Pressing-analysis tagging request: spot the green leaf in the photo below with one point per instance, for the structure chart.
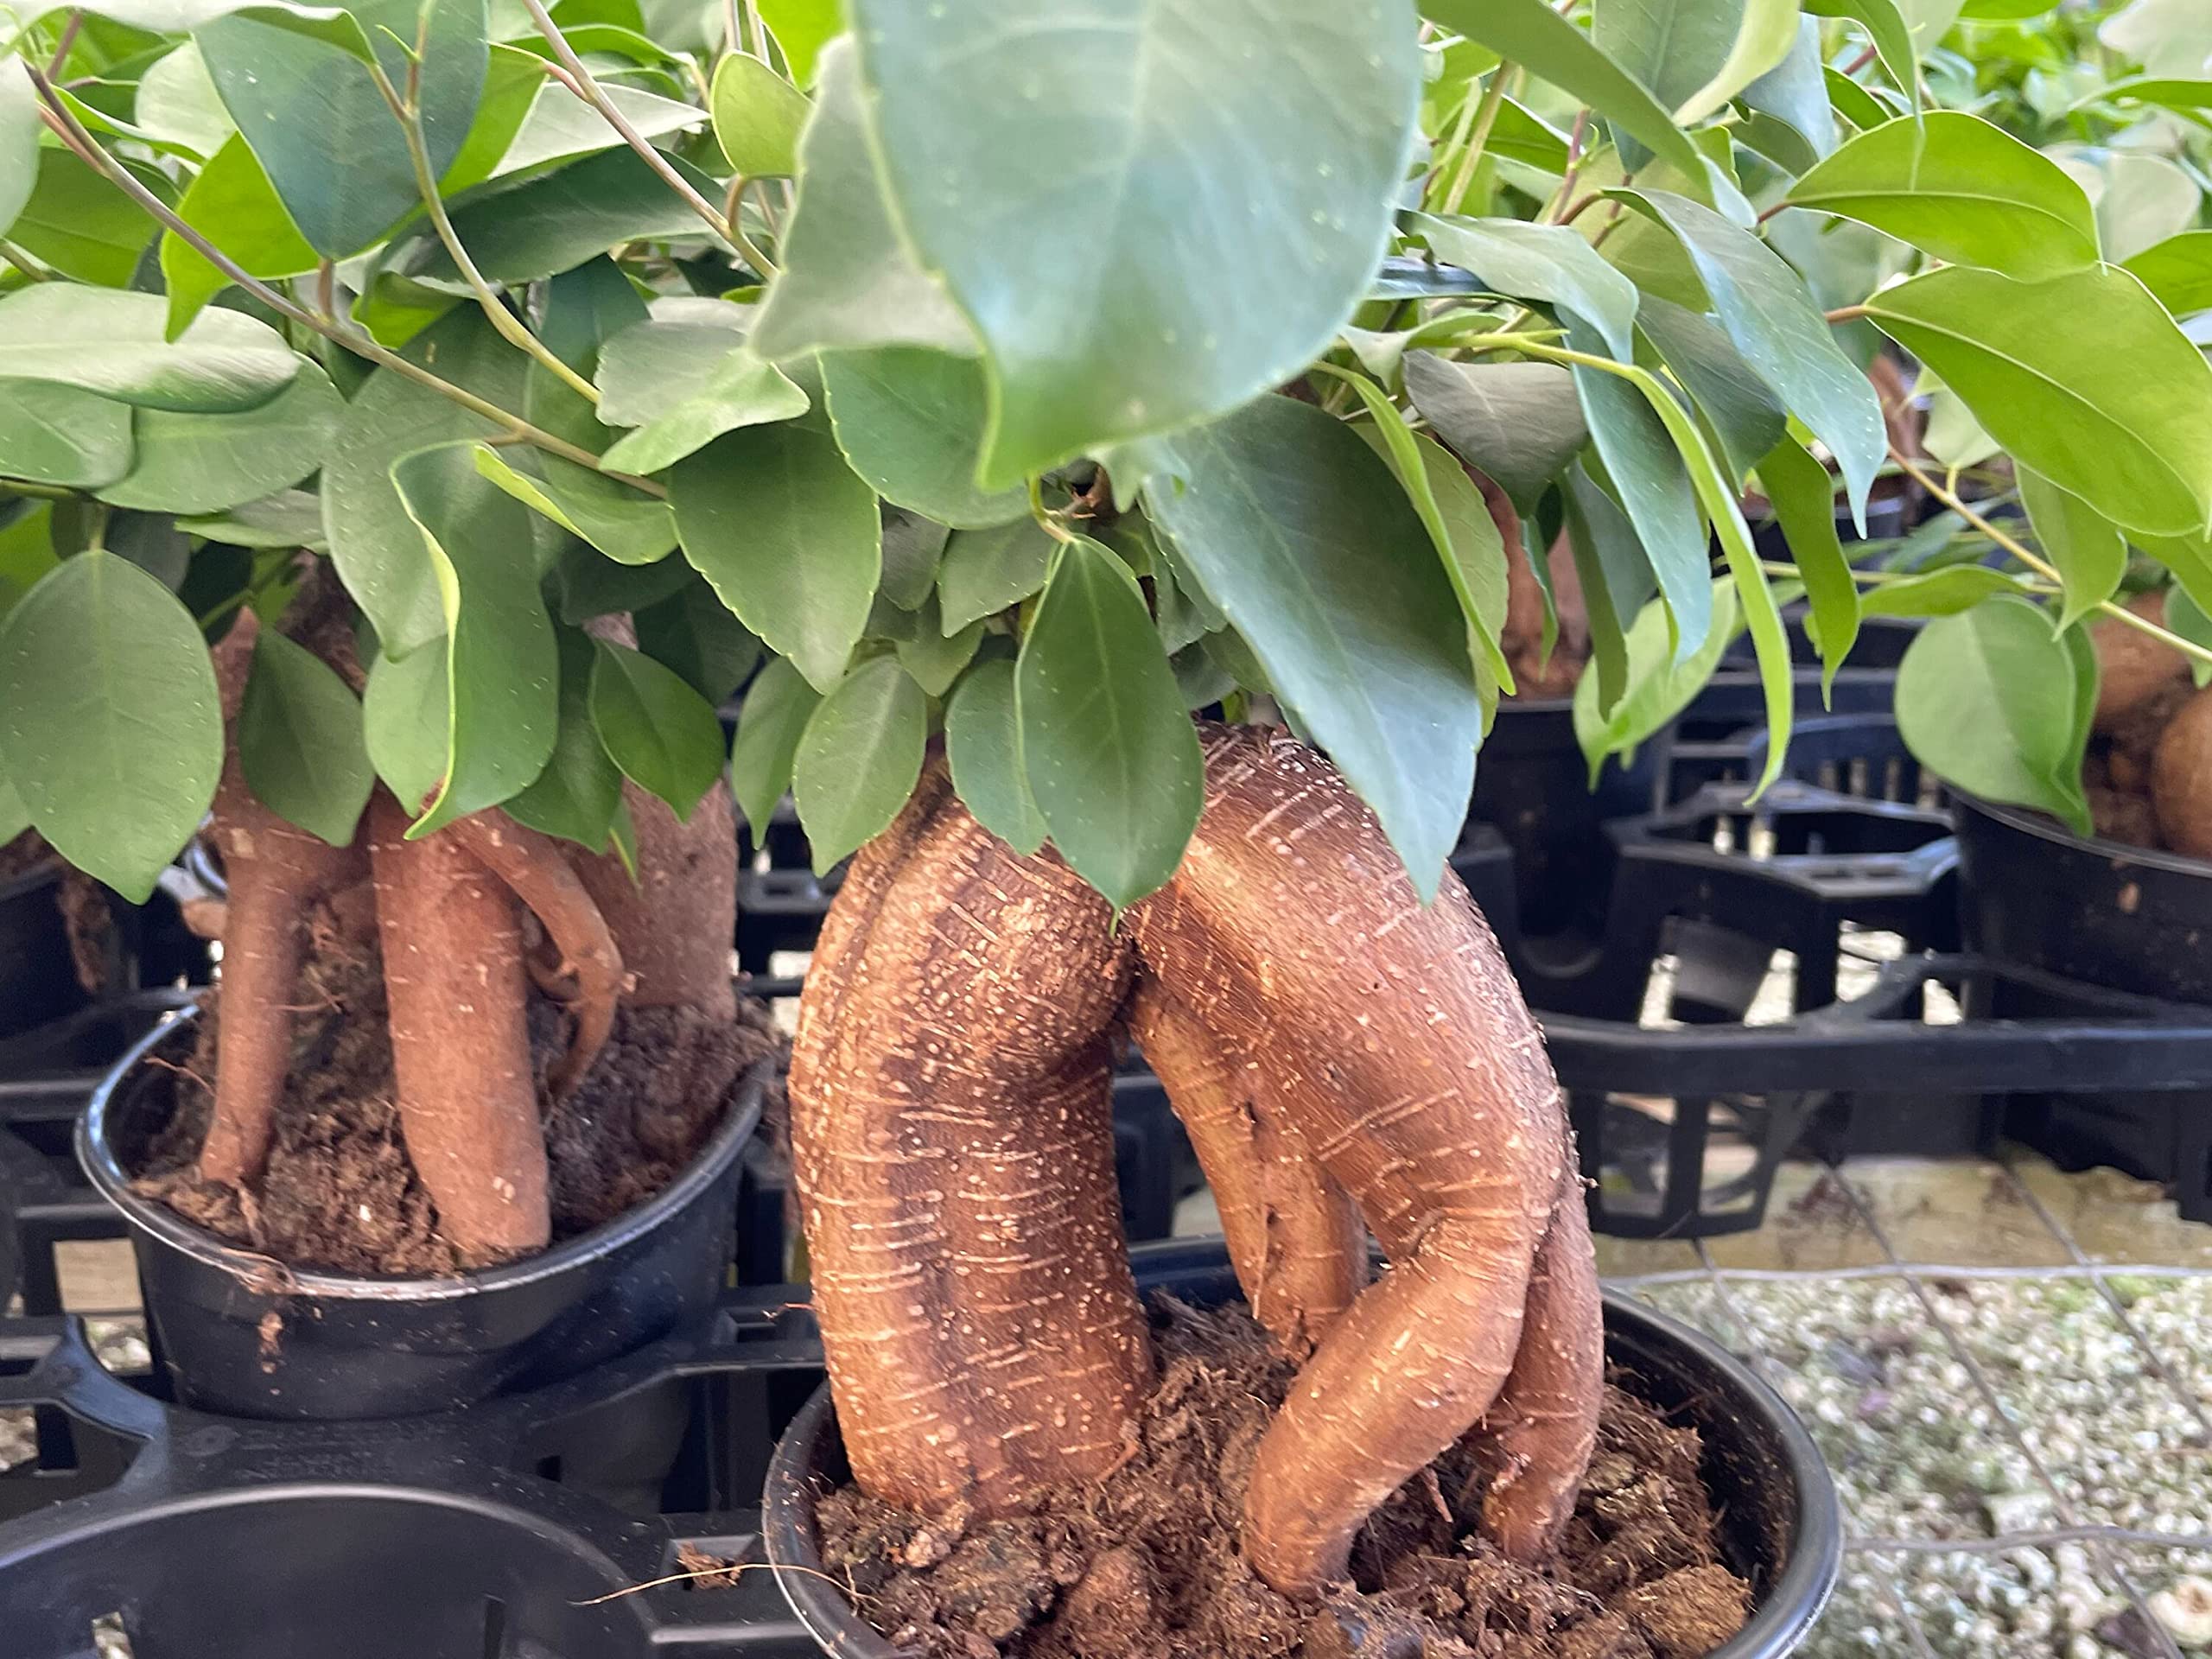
(1529, 33)
(1675, 47)
(579, 794)
(686, 376)
(110, 728)
(80, 224)
(313, 112)
(376, 548)
(1742, 411)
(178, 102)
(1804, 501)
(207, 463)
(300, 740)
(59, 435)
(2090, 553)
(526, 232)
(777, 708)
(287, 520)
(1169, 318)
(1651, 479)
(1615, 577)
(1550, 263)
(1986, 700)
(1771, 319)
(561, 126)
(693, 634)
(234, 206)
(1885, 27)
(502, 666)
(935, 658)
(2184, 617)
(1659, 687)
(2177, 271)
(1962, 189)
(1796, 94)
(789, 537)
(912, 547)
(1519, 423)
(858, 758)
(1109, 753)
(911, 421)
(982, 743)
(758, 115)
(984, 571)
(2119, 413)
(739, 390)
(1944, 592)
(404, 723)
(1297, 531)
(1764, 39)
(802, 29)
(20, 127)
(2183, 96)
(112, 343)
(847, 279)
(660, 732)
(1853, 102)
(15, 817)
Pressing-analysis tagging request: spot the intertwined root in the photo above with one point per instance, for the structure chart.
(1329, 1041)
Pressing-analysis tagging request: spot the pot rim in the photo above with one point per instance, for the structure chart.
(2029, 822)
(39, 875)
(1789, 1608)
(158, 1224)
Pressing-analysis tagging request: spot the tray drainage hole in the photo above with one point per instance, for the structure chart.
(110, 1639)
(495, 1628)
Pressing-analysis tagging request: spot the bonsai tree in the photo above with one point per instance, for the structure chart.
(1007, 381)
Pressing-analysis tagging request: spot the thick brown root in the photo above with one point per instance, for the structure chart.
(452, 972)
(2132, 667)
(952, 1138)
(2180, 778)
(674, 925)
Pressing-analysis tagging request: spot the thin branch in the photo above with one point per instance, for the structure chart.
(33, 271)
(1575, 160)
(578, 79)
(62, 47)
(1477, 141)
(2043, 566)
(1847, 313)
(66, 127)
(1859, 62)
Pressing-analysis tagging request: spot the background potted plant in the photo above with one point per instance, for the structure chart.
(616, 378)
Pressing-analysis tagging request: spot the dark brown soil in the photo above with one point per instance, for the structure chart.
(26, 853)
(340, 1194)
(1145, 1564)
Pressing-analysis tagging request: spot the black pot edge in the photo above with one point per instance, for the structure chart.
(41, 875)
(161, 1225)
(2028, 822)
(1777, 1625)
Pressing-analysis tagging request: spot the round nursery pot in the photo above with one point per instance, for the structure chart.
(38, 983)
(2107, 914)
(1782, 1525)
(247, 1336)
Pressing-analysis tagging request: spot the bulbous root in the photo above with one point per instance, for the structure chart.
(1323, 1034)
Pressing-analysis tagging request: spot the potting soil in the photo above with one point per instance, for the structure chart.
(1146, 1565)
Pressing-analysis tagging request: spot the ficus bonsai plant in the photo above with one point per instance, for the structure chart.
(994, 386)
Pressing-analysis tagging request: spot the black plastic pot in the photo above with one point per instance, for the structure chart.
(1783, 1527)
(247, 1336)
(2125, 918)
(37, 984)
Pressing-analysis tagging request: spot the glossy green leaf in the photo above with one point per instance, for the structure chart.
(502, 665)
(300, 740)
(234, 206)
(2141, 200)
(636, 531)
(1658, 685)
(404, 722)
(579, 794)
(1614, 575)
(982, 743)
(15, 817)
(112, 343)
(658, 729)
(1739, 407)
(1108, 752)
(911, 421)
(1170, 317)
(758, 115)
(789, 536)
(1803, 494)
(554, 222)
(912, 549)
(2090, 553)
(693, 632)
(20, 127)
(178, 101)
(740, 388)
(110, 729)
(1853, 102)
(1962, 189)
(2188, 96)
(1886, 28)
(1530, 33)
(287, 519)
(802, 29)
(79, 223)
(934, 658)
(847, 279)
(377, 549)
(1796, 94)
(984, 571)
(1987, 699)
(2119, 413)
(650, 368)
(2187, 619)
(1675, 47)
(1297, 531)
(206, 463)
(777, 708)
(1519, 423)
(60, 435)
(561, 127)
(859, 758)
(1550, 263)
(1764, 39)
(313, 112)
(1771, 319)
(1942, 592)
(2177, 271)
